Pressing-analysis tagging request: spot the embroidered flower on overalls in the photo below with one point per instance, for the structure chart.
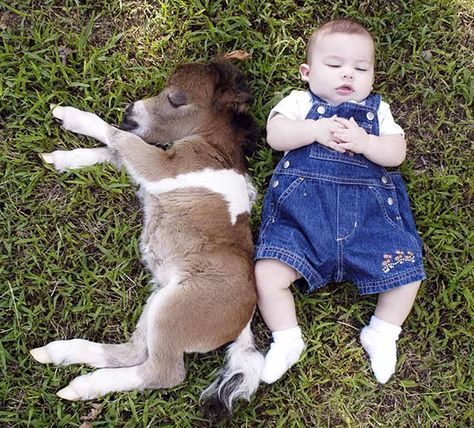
(389, 262)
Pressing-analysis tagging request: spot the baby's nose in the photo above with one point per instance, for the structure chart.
(347, 74)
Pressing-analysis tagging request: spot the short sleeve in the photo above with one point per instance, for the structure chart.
(294, 106)
(387, 124)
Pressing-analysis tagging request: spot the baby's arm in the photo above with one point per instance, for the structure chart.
(288, 134)
(384, 150)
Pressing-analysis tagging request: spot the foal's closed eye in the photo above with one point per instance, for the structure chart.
(177, 98)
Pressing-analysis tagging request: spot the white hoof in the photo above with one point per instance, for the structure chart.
(41, 355)
(68, 394)
(57, 111)
(47, 157)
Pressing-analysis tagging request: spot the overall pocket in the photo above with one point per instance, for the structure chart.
(404, 205)
(290, 184)
(390, 208)
(280, 189)
(318, 151)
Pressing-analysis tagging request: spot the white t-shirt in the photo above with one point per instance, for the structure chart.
(296, 106)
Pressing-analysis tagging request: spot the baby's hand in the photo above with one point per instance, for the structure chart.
(327, 133)
(351, 137)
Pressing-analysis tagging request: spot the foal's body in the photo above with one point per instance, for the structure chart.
(196, 239)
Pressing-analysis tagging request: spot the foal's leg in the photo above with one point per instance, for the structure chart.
(82, 122)
(79, 351)
(144, 376)
(78, 158)
(140, 159)
(163, 368)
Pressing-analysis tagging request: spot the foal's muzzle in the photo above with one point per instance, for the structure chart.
(128, 124)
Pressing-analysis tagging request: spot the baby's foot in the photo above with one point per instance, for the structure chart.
(380, 342)
(280, 358)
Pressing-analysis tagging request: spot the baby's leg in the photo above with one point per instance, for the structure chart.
(275, 300)
(393, 306)
(380, 336)
(277, 307)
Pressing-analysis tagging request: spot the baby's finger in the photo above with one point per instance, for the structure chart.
(337, 125)
(346, 146)
(343, 121)
(335, 146)
(337, 128)
(337, 140)
(338, 121)
(342, 136)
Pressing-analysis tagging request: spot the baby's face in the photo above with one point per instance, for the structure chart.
(341, 69)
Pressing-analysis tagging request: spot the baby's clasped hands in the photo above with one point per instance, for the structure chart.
(351, 137)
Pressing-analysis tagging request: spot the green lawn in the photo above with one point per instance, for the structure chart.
(69, 259)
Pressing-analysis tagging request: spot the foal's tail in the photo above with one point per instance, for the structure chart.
(239, 378)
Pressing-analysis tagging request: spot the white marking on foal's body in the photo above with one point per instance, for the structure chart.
(226, 182)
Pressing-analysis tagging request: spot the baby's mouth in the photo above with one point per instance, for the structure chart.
(345, 90)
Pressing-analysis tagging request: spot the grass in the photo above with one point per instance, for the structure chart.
(69, 260)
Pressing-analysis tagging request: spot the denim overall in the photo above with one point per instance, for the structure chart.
(337, 217)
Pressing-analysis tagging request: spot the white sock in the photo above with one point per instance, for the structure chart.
(379, 339)
(285, 351)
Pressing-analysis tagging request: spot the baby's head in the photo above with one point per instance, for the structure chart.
(340, 62)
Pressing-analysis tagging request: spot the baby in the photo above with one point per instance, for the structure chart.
(333, 213)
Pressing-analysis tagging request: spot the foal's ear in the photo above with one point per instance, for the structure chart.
(231, 91)
(238, 55)
(232, 99)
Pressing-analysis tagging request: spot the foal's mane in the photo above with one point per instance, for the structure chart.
(231, 84)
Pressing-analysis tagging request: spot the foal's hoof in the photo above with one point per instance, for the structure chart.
(68, 394)
(41, 355)
(57, 111)
(47, 157)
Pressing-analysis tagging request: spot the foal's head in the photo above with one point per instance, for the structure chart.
(197, 99)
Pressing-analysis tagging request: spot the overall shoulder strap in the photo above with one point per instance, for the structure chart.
(373, 101)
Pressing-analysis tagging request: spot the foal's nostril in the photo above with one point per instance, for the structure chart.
(128, 123)
(128, 109)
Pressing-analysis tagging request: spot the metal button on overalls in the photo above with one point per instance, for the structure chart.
(321, 110)
(370, 115)
(286, 164)
(384, 180)
(390, 201)
(275, 183)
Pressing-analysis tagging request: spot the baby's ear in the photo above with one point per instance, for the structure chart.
(304, 72)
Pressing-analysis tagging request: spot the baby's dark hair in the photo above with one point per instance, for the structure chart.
(344, 26)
